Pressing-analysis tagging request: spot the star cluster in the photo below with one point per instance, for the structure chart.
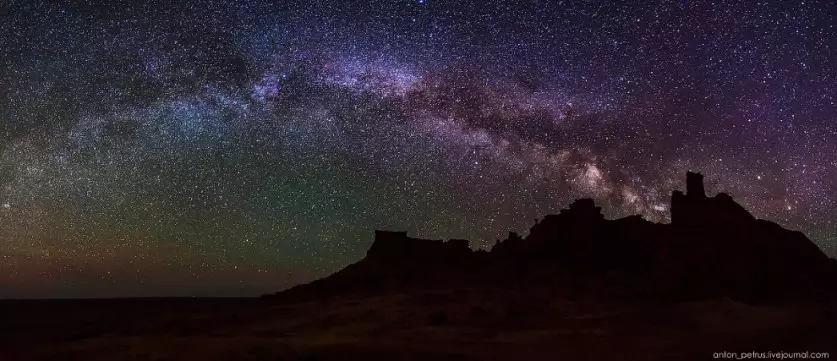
(226, 147)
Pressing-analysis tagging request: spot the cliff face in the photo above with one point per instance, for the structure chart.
(396, 247)
(695, 209)
(712, 248)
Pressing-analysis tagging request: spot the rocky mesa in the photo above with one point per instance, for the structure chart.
(712, 248)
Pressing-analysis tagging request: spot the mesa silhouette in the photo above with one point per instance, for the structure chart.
(712, 248)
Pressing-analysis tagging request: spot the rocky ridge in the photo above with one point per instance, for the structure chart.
(712, 248)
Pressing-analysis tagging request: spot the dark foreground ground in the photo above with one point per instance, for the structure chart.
(440, 325)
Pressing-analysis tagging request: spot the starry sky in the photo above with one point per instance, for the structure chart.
(233, 148)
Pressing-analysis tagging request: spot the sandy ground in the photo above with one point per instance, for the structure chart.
(438, 325)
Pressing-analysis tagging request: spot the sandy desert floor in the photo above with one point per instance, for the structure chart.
(437, 325)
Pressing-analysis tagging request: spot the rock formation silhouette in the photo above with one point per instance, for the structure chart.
(712, 248)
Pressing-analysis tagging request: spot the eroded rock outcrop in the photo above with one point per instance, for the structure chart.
(695, 209)
(397, 247)
(712, 248)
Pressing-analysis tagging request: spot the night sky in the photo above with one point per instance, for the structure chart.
(241, 147)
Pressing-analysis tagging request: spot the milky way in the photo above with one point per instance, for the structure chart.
(240, 147)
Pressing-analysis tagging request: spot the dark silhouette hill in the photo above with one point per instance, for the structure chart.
(712, 248)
